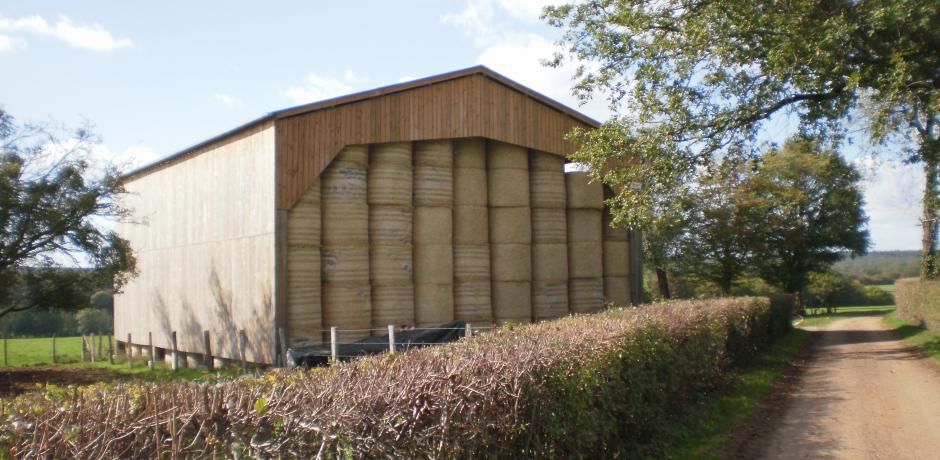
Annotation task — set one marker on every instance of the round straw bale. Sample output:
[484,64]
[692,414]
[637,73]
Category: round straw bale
[433,225]
[471,225]
[347,307]
[506,156]
[390,224]
[434,304]
[433,186]
[585,260]
[352,156]
[345,265]
[549,225]
[472,301]
[510,225]
[436,153]
[303,221]
[544,161]
[582,193]
[511,262]
[584,225]
[512,301]
[434,263]
[391,264]
[303,293]
[549,299]
[613,233]
[548,189]
[507,187]
[616,258]
[472,262]
[470,187]
[344,185]
[617,290]
[470,153]
[586,295]
[345,223]
[390,174]
[393,305]
[550,261]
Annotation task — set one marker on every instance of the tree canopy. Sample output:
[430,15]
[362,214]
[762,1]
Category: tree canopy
[55,198]
[692,81]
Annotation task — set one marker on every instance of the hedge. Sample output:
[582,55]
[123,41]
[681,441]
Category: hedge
[918,302]
[611,384]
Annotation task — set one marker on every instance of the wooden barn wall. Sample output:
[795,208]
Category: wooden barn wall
[205,248]
[470,106]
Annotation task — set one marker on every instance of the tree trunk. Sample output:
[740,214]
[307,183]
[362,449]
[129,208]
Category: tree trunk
[662,281]
[929,219]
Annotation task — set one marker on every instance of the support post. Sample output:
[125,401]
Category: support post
[283,344]
[242,342]
[208,347]
[176,352]
[150,362]
[391,339]
[92,347]
[467,330]
[53,349]
[334,346]
[111,349]
[127,350]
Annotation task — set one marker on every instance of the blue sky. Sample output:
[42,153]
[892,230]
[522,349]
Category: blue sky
[157,77]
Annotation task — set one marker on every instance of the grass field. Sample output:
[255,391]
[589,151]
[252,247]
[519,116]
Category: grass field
[929,341]
[843,312]
[707,432]
[28,352]
[886,287]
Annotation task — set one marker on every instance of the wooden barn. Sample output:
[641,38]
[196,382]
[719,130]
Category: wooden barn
[437,200]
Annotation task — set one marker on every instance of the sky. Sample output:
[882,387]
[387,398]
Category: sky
[155,78]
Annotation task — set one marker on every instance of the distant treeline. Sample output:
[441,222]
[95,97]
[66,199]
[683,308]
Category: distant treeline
[880,267]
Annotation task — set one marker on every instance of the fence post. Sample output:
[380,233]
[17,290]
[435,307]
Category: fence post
[150,362]
[53,349]
[242,341]
[208,347]
[92,347]
[391,339]
[6,336]
[283,344]
[334,346]
[84,347]
[111,349]
[127,350]
[467,330]
[176,353]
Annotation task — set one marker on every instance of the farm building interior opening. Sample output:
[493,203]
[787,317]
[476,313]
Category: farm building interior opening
[422,203]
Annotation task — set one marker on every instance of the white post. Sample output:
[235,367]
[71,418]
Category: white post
[467,330]
[391,339]
[334,346]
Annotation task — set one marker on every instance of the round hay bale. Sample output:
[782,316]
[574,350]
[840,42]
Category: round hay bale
[507,187]
[393,305]
[471,225]
[390,174]
[549,225]
[303,294]
[352,156]
[511,262]
[549,299]
[344,181]
[437,153]
[617,291]
[472,262]
[345,223]
[472,301]
[512,301]
[506,156]
[345,265]
[510,225]
[347,307]
[433,263]
[585,260]
[584,225]
[544,161]
[547,189]
[470,187]
[434,304]
[616,258]
[433,225]
[582,193]
[433,186]
[391,265]
[613,233]
[586,295]
[470,153]
[303,220]
[390,225]
[550,261]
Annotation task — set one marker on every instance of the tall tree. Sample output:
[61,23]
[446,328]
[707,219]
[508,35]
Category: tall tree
[54,198]
[695,79]
[812,213]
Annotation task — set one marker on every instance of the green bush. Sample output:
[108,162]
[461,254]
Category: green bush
[94,321]
[607,385]
[918,302]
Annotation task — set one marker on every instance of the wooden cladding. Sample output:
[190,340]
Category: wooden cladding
[472,105]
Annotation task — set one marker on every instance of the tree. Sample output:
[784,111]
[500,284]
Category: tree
[693,80]
[812,213]
[725,224]
[94,321]
[54,197]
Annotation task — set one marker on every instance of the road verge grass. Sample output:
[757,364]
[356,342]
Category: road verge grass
[925,339]
[709,431]
[842,312]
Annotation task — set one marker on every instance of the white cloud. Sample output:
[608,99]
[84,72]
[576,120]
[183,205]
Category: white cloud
[92,37]
[526,9]
[318,87]
[893,202]
[230,102]
[10,44]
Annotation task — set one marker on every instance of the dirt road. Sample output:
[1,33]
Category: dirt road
[863,394]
